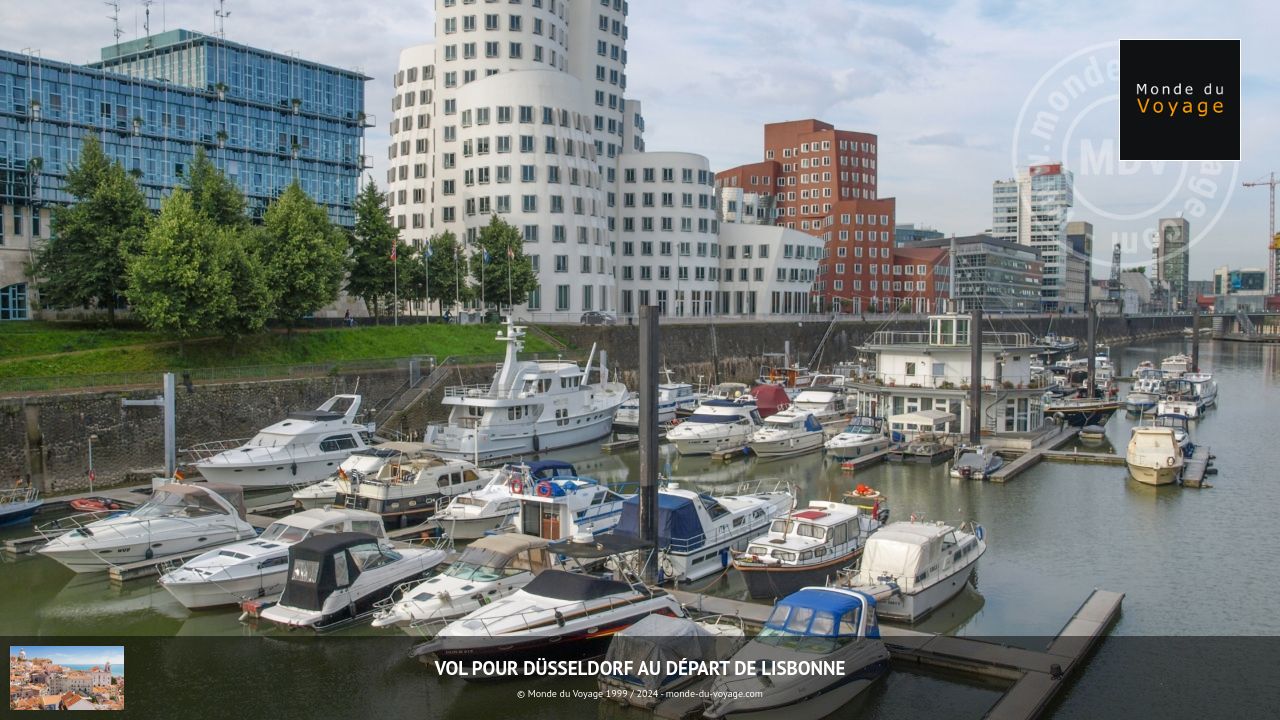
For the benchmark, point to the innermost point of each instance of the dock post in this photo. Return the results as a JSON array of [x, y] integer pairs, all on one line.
[[1091, 318], [1195, 337], [170, 427], [648, 377], [975, 370]]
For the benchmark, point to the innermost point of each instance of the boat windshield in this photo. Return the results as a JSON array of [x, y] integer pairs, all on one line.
[[802, 529], [168, 504], [805, 629], [861, 429], [266, 439], [283, 532], [709, 419], [481, 565]]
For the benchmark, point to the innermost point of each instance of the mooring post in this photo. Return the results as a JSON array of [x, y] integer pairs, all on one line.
[[648, 377], [975, 370], [1195, 337], [1092, 319]]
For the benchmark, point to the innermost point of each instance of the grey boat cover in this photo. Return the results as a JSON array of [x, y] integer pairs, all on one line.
[[660, 638]]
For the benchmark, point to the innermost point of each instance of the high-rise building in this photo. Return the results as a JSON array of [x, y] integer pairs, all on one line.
[[1032, 209], [1172, 260], [822, 181], [904, 234], [1080, 243], [992, 274], [264, 118]]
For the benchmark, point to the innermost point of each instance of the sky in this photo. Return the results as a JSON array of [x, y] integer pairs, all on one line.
[[74, 654], [942, 82]]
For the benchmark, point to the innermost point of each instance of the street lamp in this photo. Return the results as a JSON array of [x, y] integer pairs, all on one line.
[[92, 437]]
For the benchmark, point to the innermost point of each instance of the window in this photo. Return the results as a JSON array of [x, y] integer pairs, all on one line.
[[562, 297]]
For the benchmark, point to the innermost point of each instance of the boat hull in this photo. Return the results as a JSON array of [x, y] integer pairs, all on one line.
[[911, 608], [278, 473], [787, 446], [82, 559], [18, 512], [809, 702], [708, 444], [548, 438], [1079, 417], [1155, 475], [766, 582], [470, 528], [197, 595], [848, 452]]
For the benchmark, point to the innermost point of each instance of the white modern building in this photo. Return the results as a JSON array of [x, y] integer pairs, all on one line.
[[1033, 209], [1172, 255], [767, 269], [739, 206]]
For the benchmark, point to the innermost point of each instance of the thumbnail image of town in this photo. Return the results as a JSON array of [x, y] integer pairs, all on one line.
[[66, 677]]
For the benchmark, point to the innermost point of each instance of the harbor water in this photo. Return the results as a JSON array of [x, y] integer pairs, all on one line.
[[1054, 533]]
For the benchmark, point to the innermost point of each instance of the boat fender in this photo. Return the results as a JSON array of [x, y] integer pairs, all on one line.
[[544, 489], [979, 532], [149, 554], [724, 557], [293, 467], [536, 444], [559, 618]]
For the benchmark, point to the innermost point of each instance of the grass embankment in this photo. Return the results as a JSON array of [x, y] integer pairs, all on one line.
[[46, 349]]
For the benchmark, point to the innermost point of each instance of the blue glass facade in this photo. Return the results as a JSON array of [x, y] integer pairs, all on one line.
[[264, 118]]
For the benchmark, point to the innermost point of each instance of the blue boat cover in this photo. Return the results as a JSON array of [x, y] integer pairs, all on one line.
[[543, 469], [811, 424], [819, 611], [677, 519]]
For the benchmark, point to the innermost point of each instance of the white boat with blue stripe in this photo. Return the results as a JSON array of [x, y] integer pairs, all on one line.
[[555, 503]]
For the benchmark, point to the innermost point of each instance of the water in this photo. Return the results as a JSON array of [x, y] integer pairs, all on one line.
[[1055, 533]]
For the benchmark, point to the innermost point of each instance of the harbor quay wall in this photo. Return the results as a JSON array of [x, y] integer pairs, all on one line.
[[44, 438]]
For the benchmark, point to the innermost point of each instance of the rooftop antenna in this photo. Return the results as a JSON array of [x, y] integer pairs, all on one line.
[[146, 20], [223, 13], [114, 17]]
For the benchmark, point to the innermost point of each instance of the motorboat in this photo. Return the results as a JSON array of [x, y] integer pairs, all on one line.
[[555, 503], [530, 406], [94, 505], [698, 532], [336, 578], [1203, 388], [870, 500], [1182, 399], [178, 518], [559, 614], [488, 569], [18, 504], [806, 547], [729, 391], [673, 399], [1145, 392], [1153, 456], [828, 403], [975, 462], [1181, 431], [665, 640], [790, 432], [492, 507], [1058, 345], [912, 568], [362, 463], [1093, 434], [717, 425], [258, 567], [770, 399], [1175, 365], [926, 447], [1078, 412], [812, 628], [792, 378], [305, 447], [862, 436], [405, 493]]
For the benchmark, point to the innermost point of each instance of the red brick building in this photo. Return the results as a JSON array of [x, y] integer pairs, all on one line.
[[823, 181]]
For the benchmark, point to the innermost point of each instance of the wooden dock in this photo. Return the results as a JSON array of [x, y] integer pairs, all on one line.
[[626, 443], [731, 454], [1197, 467], [1083, 457], [1032, 457], [857, 463], [1036, 676]]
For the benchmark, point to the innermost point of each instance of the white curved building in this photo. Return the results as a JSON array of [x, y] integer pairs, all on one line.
[[411, 168]]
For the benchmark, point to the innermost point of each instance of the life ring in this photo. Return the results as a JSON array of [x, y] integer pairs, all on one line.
[[1170, 460], [1170, 398], [516, 485], [543, 489], [863, 490]]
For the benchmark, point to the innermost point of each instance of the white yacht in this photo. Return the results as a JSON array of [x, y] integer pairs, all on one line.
[[912, 568], [305, 447], [18, 504], [812, 624], [473, 514], [790, 432], [178, 518], [408, 492], [531, 406], [336, 578], [806, 547], [1203, 387], [1175, 365], [1182, 396], [1154, 456], [362, 463], [554, 503], [828, 403], [975, 462], [258, 567], [697, 533], [490, 568], [673, 398], [862, 436], [716, 425], [729, 391], [558, 614]]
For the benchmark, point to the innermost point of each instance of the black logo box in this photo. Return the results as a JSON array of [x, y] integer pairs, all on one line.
[[1205, 73]]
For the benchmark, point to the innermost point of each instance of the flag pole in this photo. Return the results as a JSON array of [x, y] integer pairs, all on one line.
[[511, 256], [395, 271], [426, 278]]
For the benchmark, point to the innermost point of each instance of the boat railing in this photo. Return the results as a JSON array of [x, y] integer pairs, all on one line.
[[205, 450], [19, 495], [81, 521], [478, 390], [530, 620]]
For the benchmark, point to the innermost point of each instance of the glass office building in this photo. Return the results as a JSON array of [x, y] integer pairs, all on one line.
[[264, 118]]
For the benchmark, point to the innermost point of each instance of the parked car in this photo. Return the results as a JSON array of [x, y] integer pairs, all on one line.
[[598, 317]]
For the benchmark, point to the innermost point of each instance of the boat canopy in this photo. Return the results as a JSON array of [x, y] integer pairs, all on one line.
[[678, 522], [321, 564], [544, 469], [822, 612], [521, 552], [211, 497], [563, 585], [661, 639], [770, 398]]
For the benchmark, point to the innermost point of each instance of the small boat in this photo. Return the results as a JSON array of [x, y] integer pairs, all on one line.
[[488, 569], [871, 500], [336, 578], [409, 492], [673, 399], [807, 547], [1203, 387], [862, 436], [178, 518], [555, 503], [926, 447], [697, 532], [1153, 456], [1093, 434], [559, 614], [1175, 365], [729, 391], [715, 426], [663, 639], [18, 504], [912, 568], [1181, 431], [305, 447], [1079, 412], [790, 432], [1180, 400], [975, 462], [472, 514], [258, 567], [1145, 392], [365, 462], [813, 624], [827, 401], [94, 505]]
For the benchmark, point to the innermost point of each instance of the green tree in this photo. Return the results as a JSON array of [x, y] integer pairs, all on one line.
[[178, 282], [213, 194], [447, 269], [252, 300], [371, 273], [504, 247], [84, 262], [304, 255]]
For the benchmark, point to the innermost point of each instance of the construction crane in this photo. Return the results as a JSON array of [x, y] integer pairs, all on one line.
[[1273, 247]]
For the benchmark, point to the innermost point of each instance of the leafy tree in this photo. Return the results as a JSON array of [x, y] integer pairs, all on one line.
[[304, 255], [213, 193], [504, 246], [178, 282], [371, 274], [448, 271], [252, 300], [84, 262]]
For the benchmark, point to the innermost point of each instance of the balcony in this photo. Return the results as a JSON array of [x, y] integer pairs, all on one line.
[[920, 338]]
